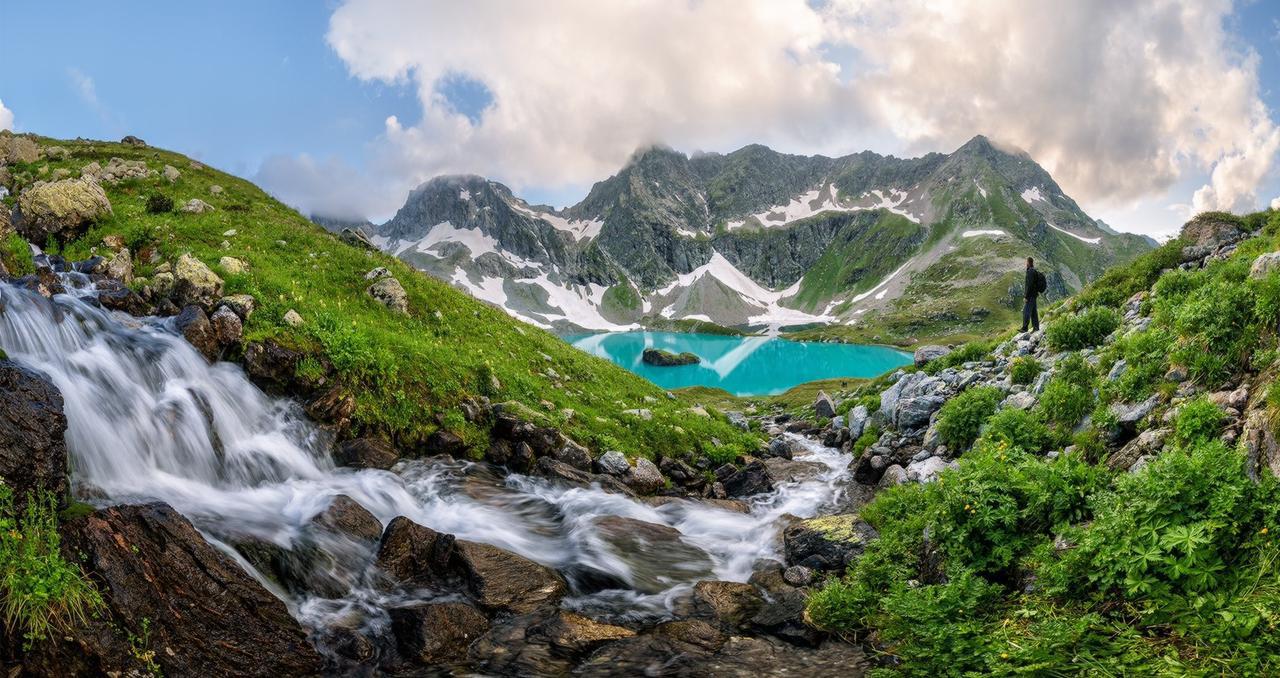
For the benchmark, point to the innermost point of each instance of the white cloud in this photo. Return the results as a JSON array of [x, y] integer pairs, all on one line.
[[328, 187], [1275, 203], [1119, 100], [6, 117], [84, 86]]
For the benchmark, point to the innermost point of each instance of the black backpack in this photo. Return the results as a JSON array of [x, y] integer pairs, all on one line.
[[1042, 283]]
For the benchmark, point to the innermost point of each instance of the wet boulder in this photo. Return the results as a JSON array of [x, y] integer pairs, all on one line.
[[115, 296], [415, 555], [228, 330], [644, 477], [748, 481], [207, 615], [782, 470], [33, 456], [502, 581], [657, 555], [613, 463], [436, 633], [194, 326], [271, 365], [366, 453], [61, 210], [346, 516], [828, 543], [730, 604]]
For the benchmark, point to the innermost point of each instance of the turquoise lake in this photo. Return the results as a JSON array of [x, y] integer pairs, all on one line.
[[744, 366]]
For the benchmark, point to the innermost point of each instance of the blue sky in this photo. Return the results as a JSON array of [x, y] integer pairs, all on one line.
[[274, 91]]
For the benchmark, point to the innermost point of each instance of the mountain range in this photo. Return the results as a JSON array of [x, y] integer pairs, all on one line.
[[758, 239]]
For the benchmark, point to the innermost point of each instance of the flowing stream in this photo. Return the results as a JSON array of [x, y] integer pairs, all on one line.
[[150, 419]]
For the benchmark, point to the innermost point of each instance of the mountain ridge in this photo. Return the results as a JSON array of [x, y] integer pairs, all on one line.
[[814, 233]]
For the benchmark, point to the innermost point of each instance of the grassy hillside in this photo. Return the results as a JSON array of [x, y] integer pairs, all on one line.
[[408, 374], [1033, 557]]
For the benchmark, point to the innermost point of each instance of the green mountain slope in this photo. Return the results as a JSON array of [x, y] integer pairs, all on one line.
[[409, 375]]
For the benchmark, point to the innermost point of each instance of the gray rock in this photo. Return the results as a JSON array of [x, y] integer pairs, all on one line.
[[644, 477], [857, 421], [196, 206], [798, 575], [1117, 370], [1023, 400], [927, 470], [739, 420], [1264, 265], [824, 407], [170, 173], [613, 462], [1128, 415], [1148, 444], [390, 293], [926, 354], [227, 328], [893, 475], [292, 319], [915, 412]]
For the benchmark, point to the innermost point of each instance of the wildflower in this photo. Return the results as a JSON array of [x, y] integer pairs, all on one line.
[[1262, 531]]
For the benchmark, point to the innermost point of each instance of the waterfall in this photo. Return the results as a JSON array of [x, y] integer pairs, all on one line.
[[150, 419]]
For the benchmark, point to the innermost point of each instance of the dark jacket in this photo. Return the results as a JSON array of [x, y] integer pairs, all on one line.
[[1029, 286]]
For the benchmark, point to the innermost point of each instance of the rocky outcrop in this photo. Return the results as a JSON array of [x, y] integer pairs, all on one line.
[[662, 358], [206, 615], [828, 543], [33, 456], [195, 284], [61, 210], [926, 354]]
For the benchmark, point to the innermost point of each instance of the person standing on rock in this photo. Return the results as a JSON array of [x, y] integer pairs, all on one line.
[[1034, 285]]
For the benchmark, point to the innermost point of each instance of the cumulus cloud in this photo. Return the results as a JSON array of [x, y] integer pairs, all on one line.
[[1275, 203], [1119, 100], [6, 117], [327, 187]]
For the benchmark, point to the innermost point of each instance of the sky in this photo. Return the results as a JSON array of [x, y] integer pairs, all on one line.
[[1145, 112]]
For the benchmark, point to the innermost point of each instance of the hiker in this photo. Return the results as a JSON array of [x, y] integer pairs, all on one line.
[[1033, 287]]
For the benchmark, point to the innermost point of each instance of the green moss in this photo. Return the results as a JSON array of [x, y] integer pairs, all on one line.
[[15, 254]]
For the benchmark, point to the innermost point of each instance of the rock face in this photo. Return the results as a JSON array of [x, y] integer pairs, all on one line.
[[660, 358], [437, 633], [1208, 231], [33, 456], [62, 210], [828, 543], [207, 616], [911, 400]]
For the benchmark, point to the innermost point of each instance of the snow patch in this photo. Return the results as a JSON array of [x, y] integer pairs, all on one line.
[[1081, 238], [1032, 194], [465, 195], [984, 231], [881, 284], [773, 312], [981, 190], [580, 229]]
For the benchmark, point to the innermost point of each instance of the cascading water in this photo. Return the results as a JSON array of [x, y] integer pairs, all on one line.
[[149, 418]]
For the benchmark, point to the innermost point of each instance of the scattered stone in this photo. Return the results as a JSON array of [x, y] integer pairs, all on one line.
[[60, 210], [641, 413], [644, 477], [215, 189], [1148, 443], [927, 470], [739, 420], [118, 170], [196, 206], [15, 149], [357, 238], [120, 267], [170, 173], [242, 304], [379, 272], [732, 604], [893, 475], [292, 319], [233, 266], [613, 462], [1022, 400]]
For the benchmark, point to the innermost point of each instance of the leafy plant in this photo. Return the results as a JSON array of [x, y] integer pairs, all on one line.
[[1197, 422], [1082, 330], [961, 418], [1024, 370], [158, 203], [1018, 429], [42, 592]]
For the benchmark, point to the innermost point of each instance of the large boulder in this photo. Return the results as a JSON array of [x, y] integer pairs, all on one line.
[[748, 481], [16, 149], [390, 293], [413, 554], [657, 555], [366, 453], [828, 543], [346, 516], [644, 477], [1211, 230], [61, 210], [824, 407], [926, 354], [731, 604], [206, 615], [1264, 265], [436, 633], [503, 581], [33, 456], [195, 284], [911, 401], [194, 326]]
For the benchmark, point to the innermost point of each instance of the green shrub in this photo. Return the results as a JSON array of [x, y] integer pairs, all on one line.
[[962, 417], [15, 255], [1019, 429], [1197, 422], [1120, 283], [1068, 396], [42, 592], [1089, 328], [158, 203], [1146, 356], [1024, 370]]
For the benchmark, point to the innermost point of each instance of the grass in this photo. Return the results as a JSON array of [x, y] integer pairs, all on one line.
[[42, 592], [408, 374]]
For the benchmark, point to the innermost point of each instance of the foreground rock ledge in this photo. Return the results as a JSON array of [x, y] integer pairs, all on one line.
[[207, 616]]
